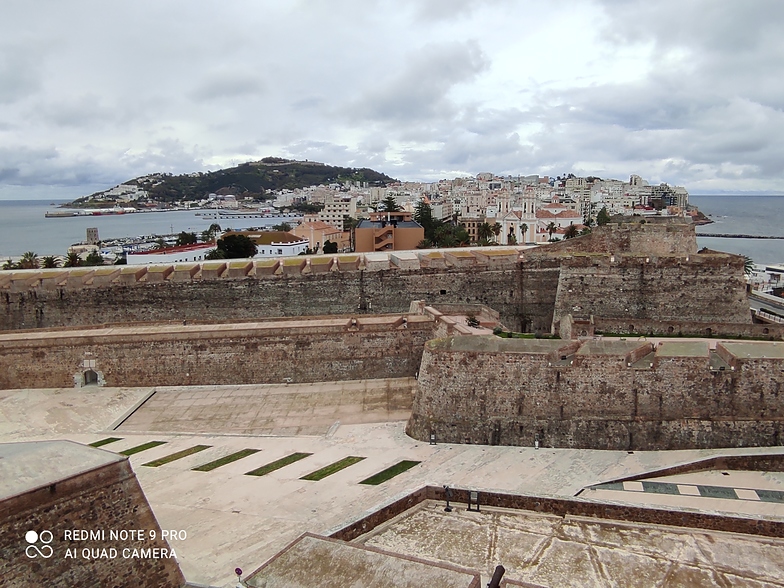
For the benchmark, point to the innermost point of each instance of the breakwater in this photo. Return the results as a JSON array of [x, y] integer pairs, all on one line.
[[738, 236]]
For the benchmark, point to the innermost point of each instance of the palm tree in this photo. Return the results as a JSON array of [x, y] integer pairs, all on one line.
[[9, 265], [29, 260], [571, 231], [523, 230], [551, 228], [50, 261], [484, 232], [72, 259], [748, 265], [497, 230]]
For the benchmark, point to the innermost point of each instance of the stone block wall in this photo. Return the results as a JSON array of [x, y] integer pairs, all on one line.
[[700, 288], [107, 498], [255, 353], [511, 397]]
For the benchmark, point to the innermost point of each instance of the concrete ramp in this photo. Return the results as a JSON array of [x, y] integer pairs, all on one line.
[[272, 409]]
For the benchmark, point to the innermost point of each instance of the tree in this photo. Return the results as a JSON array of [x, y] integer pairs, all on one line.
[[208, 236], [285, 227], [29, 261], [423, 214], [551, 228], [484, 233], [9, 265], [330, 247], [748, 265], [185, 238], [236, 247], [523, 230], [350, 224], [50, 261], [571, 232], [510, 238], [603, 217], [94, 258], [389, 204], [72, 259], [497, 230]]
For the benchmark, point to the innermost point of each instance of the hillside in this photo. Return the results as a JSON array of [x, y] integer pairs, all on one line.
[[255, 179]]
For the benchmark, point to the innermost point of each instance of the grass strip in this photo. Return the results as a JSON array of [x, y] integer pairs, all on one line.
[[208, 467], [175, 456], [390, 472], [332, 468], [277, 464], [106, 441], [142, 447]]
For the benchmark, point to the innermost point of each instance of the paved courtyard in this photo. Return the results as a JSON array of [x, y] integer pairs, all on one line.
[[233, 519]]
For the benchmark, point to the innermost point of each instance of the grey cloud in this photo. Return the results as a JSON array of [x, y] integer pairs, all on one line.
[[228, 84], [419, 91], [19, 73]]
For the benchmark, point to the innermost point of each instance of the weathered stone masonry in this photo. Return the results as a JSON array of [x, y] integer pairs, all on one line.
[[316, 350], [620, 396]]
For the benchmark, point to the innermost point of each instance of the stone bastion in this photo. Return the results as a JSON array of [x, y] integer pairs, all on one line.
[[600, 394]]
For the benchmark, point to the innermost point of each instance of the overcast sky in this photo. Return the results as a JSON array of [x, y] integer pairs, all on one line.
[[688, 92]]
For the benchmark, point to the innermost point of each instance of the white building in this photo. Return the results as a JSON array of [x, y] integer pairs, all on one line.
[[171, 254]]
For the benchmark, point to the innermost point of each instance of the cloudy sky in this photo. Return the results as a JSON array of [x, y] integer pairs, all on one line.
[[689, 92]]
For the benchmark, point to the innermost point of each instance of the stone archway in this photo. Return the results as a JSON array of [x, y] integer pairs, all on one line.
[[90, 378]]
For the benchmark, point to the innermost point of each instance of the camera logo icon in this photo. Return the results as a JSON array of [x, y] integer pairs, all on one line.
[[33, 550]]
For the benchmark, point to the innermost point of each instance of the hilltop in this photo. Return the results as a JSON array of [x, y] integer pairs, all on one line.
[[254, 179]]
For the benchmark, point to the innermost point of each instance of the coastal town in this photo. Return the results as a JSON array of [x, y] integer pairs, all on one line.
[[487, 209]]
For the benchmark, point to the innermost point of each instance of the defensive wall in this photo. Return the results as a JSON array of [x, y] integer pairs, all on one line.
[[316, 349], [56, 487], [313, 349], [531, 288], [600, 394]]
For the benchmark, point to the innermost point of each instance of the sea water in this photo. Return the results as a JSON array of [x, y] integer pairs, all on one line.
[[23, 226]]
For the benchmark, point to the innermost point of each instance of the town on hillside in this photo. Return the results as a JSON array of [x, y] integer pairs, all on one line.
[[355, 215]]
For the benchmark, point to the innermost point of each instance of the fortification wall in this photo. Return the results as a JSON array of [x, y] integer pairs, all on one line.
[[256, 296], [656, 237], [498, 392], [313, 350], [107, 498], [699, 288]]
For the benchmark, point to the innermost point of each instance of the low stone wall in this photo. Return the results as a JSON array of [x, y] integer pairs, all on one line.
[[513, 392], [631, 326], [565, 507], [105, 499]]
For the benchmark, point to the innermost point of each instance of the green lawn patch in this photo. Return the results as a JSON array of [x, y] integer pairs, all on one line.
[[332, 468], [277, 464], [142, 447], [208, 467], [175, 456], [106, 441], [390, 472]]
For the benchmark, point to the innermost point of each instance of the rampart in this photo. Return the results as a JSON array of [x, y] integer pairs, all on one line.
[[315, 349], [530, 288], [100, 499], [600, 394]]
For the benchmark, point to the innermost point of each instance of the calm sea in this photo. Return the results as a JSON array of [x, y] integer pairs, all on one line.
[[23, 226], [744, 215]]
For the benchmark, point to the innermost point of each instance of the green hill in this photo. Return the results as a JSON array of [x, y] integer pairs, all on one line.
[[253, 179]]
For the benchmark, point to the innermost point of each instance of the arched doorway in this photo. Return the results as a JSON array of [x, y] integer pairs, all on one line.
[[90, 378]]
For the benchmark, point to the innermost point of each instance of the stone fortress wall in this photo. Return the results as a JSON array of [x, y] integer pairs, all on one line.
[[208, 323], [649, 270], [100, 499], [620, 395]]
